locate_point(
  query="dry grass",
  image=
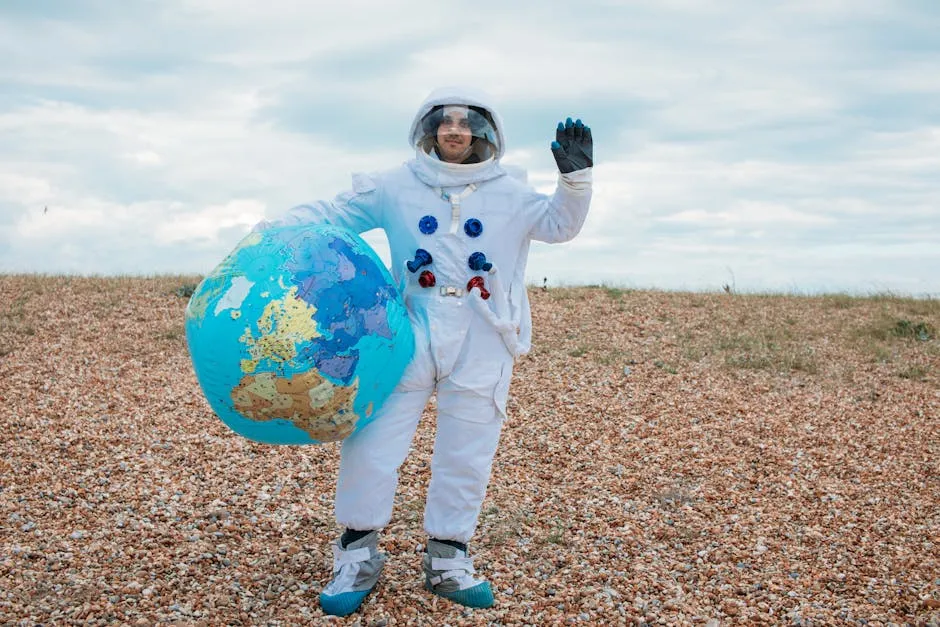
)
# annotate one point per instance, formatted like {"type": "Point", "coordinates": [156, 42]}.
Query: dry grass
{"type": "Point", "coordinates": [670, 458]}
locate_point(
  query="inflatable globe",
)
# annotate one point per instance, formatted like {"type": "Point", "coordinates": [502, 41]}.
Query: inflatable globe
{"type": "Point", "coordinates": [298, 336]}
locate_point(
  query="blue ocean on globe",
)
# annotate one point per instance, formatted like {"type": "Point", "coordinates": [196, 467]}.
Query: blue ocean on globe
{"type": "Point", "coordinates": [299, 335]}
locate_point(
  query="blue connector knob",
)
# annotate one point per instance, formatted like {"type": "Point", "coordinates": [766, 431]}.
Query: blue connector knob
{"type": "Point", "coordinates": [473, 227]}
{"type": "Point", "coordinates": [478, 262]}
{"type": "Point", "coordinates": [427, 224]}
{"type": "Point", "coordinates": [422, 258]}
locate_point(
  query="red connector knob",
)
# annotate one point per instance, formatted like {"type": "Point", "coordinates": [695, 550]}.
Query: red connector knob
{"type": "Point", "coordinates": [427, 279]}
{"type": "Point", "coordinates": [477, 281]}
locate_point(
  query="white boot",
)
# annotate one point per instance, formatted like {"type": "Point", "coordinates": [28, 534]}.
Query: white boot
{"type": "Point", "coordinates": [449, 573]}
{"type": "Point", "coordinates": [356, 570]}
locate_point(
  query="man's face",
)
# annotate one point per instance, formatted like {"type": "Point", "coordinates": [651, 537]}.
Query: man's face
{"type": "Point", "coordinates": [453, 135]}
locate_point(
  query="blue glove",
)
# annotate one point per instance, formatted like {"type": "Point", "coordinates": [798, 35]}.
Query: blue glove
{"type": "Point", "coordinates": [573, 147]}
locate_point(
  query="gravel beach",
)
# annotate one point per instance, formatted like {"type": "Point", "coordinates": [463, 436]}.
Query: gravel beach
{"type": "Point", "coordinates": [669, 459]}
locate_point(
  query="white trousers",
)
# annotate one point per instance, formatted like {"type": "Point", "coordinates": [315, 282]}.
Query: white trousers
{"type": "Point", "coordinates": [471, 401]}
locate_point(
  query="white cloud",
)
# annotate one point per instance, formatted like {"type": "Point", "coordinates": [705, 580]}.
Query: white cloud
{"type": "Point", "coordinates": [746, 214]}
{"type": "Point", "coordinates": [27, 189]}
{"type": "Point", "coordinates": [206, 223]}
{"type": "Point", "coordinates": [145, 158]}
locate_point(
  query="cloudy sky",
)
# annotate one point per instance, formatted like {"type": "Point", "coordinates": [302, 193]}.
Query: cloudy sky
{"type": "Point", "coordinates": [773, 146]}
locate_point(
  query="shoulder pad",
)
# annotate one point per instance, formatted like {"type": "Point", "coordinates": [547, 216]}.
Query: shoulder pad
{"type": "Point", "coordinates": [362, 183]}
{"type": "Point", "coordinates": [517, 172]}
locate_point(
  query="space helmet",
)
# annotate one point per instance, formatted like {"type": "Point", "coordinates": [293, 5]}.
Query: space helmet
{"type": "Point", "coordinates": [457, 133]}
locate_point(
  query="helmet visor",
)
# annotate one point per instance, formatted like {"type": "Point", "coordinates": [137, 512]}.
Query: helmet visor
{"type": "Point", "coordinates": [457, 134]}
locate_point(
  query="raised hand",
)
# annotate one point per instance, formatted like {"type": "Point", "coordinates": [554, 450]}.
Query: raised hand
{"type": "Point", "coordinates": [573, 147]}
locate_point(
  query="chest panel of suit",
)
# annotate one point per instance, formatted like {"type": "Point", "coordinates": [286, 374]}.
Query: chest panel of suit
{"type": "Point", "coordinates": [421, 218]}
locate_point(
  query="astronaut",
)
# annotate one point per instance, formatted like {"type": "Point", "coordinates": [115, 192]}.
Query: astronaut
{"type": "Point", "coordinates": [459, 230]}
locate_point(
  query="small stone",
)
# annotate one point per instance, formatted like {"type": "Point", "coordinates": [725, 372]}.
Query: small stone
{"type": "Point", "coordinates": [730, 607]}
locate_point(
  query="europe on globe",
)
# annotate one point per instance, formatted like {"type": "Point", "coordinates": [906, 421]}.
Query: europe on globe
{"type": "Point", "coordinates": [299, 335]}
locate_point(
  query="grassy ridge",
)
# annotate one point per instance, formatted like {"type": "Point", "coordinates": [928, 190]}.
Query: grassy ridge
{"type": "Point", "coordinates": [770, 332]}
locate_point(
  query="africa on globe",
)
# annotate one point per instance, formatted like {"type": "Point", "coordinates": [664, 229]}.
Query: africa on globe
{"type": "Point", "coordinates": [299, 335]}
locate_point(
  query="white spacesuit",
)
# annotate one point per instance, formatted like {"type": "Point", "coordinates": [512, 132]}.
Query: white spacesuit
{"type": "Point", "coordinates": [459, 236]}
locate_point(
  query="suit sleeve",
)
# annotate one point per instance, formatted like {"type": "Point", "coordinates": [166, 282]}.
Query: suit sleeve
{"type": "Point", "coordinates": [358, 209]}
{"type": "Point", "coordinates": [559, 217]}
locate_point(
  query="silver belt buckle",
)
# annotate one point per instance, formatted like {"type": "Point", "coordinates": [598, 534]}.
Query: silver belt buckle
{"type": "Point", "coordinates": [450, 290]}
